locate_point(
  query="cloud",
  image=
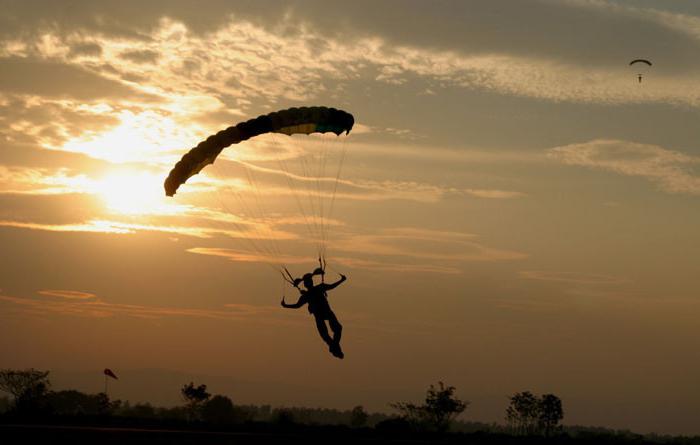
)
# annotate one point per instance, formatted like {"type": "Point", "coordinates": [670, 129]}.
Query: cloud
{"type": "Point", "coordinates": [67, 294]}
{"type": "Point", "coordinates": [246, 61]}
{"type": "Point", "coordinates": [570, 277]}
{"type": "Point", "coordinates": [75, 303]}
{"type": "Point", "coordinates": [671, 170]}
{"type": "Point", "coordinates": [424, 244]}
{"type": "Point", "coordinates": [401, 249]}
{"type": "Point", "coordinates": [266, 182]}
{"type": "Point", "coordinates": [252, 257]}
{"type": "Point", "coordinates": [357, 263]}
{"type": "Point", "coordinates": [494, 194]}
{"type": "Point", "coordinates": [140, 56]}
{"type": "Point", "coordinates": [56, 79]}
{"type": "Point", "coordinates": [33, 181]}
{"type": "Point", "coordinates": [258, 232]}
{"type": "Point", "coordinates": [86, 49]}
{"type": "Point", "coordinates": [384, 266]}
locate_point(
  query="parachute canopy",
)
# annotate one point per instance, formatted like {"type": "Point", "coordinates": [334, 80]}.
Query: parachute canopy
{"type": "Point", "coordinates": [645, 61]}
{"type": "Point", "coordinates": [303, 120]}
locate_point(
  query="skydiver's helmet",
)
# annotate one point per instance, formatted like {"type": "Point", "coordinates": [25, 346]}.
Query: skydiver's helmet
{"type": "Point", "coordinates": [319, 271]}
{"type": "Point", "coordinates": [308, 279]}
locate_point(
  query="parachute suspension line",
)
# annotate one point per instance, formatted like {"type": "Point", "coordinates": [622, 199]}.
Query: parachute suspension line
{"type": "Point", "coordinates": [322, 266]}
{"type": "Point", "coordinates": [262, 243]}
{"type": "Point", "coordinates": [255, 242]}
{"type": "Point", "coordinates": [291, 182]}
{"type": "Point", "coordinates": [343, 150]}
{"type": "Point", "coordinates": [256, 193]}
{"type": "Point", "coordinates": [319, 190]}
{"type": "Point", "coordinates": [224, 225]}
{"type": "Point", "coordinates": [324, 216]}
{"type": "Point", "coordinates": [261, 247]}
{"type": "Point", "coordinates": [311, 197]}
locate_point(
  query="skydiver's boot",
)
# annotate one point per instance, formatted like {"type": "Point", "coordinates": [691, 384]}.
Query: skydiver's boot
{"type": "Point", "coordinates": [335, 350]}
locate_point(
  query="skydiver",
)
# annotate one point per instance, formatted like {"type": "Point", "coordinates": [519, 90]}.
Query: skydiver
{"type": "Point", "coordinates": [317, 299]}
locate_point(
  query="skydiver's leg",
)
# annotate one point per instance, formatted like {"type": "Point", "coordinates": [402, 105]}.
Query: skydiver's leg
{"type": "Point", "coordinates": [336, 327]}
{"type": "Point", "coordinates": [323, 330]}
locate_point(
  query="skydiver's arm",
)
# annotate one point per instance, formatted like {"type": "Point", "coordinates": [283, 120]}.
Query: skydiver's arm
{"type": "Point", "coordinates": [337, 283]}
{"type": "Point", "coordinates": [297, 305]}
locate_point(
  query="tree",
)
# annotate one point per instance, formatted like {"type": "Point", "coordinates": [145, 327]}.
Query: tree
{"type": "Point", "coordinates": [358, 417]}
{"type": "Point", "coordinates": [550, 413]}
{"type": "Point", "coordinates": [194, 397]}
{"type": "Point", "coordinates": [528, 414]}
{"type": "Point", "coordinates": [439, 409]}
{"type": "Point", "coordinates": [72, 402]}
{"type": "Point", "coordinates": [283, 417]}
{"type": "Point", "coordinates": [27, 387]}
{"type": "Point", "coordinates": [218, 410]}
{"type": "Point", "coordinates": [522, 413]}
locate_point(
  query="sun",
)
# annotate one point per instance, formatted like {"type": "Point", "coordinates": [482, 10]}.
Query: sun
{"type": "Point", "coordinates": [129, 192]}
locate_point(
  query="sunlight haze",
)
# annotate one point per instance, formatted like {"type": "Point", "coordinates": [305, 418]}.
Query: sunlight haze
{"type": "Point", "coordinates": [513, 208]}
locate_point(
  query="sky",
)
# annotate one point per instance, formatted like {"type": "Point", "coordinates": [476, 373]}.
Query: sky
{"type": "Point", "coordinates": [514, 210]}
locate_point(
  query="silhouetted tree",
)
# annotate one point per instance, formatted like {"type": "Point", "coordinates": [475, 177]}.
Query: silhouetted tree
{"type": "Point", "coordinates": [140, 411]}
{"type": "Point", "coordinates": [439, 409]}
{"type": "Point", "coordinates": [358, 417]}
{"type": "Point", "coordinates": [28, 387]}
{"type": "Point", "coordinates": [194, 397]}
{"type": "Point", "coordinates": [522, 413]}
{"type": "Point", "coordinates": [283, 417]}
{"type": "Point", "coordinates": [218, 409]}
{"type": "Point", "coordinates": [72, 402]}
{"type": "Point", "coordinates": [550, 414]}
{"type": "Point", "coordinates": [105, 406]}
{"type": "Point", "coordinates": [528, 414]}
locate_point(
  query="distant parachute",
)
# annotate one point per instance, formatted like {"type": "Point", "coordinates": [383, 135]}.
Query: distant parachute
{"type": "Point", "coordinates": [303, 120]}
{"type": "Point", "coordinates": [641, 62]}
{"type": "Point", "coordinates": [109, 373]}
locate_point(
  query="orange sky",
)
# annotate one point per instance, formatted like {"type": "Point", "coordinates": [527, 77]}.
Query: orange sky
{"type": "Point", "coordinates": [515, 211]}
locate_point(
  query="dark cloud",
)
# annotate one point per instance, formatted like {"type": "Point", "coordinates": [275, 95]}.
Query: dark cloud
{"type": "Point", "coordinates": [143, 56]}
{"type": "Point", "coordinates": [585, 34]}
{"type": "Point", "coordinates": [86, 49]}
{"type": "Point", "coordinates": [57, 80]}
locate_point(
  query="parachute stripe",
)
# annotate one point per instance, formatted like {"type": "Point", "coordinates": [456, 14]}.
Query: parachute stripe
{"type": "Point", "coordinates": [302, 120]}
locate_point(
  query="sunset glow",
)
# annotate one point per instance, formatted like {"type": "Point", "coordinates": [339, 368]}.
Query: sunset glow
{"type": "Point", "coordinates": [134, 193]}
{"type": "Point", "coordinates": [515, 207]}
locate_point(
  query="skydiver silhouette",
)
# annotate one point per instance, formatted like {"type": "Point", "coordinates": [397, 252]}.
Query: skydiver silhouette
{"type": "Point", "coordinates": [317, 299]}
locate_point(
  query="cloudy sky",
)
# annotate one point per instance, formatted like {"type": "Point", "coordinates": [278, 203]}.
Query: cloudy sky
{"type": "Point", "coordinates": [514, 211]}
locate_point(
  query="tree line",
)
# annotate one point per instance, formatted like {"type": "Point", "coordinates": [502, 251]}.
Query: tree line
{"type": "Point", "coordinates": [32, 397]}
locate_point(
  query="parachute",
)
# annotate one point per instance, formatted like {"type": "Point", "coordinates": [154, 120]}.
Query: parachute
{"type": "Point", "coordinates": [640, 61]}
{"type": "Point", "coordinates": [251, 190]}
{"type": "Point", "coordinates": [642, 66]}
{"type": "Point", "coordinates": [304, 120]}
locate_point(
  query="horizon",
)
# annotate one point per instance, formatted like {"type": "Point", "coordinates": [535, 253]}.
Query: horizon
{"type": "Point", "coordinates": [515, 208]}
